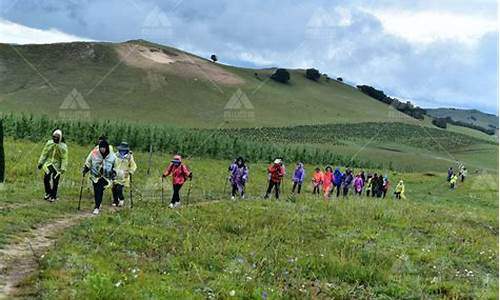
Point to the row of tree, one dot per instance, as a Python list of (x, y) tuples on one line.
[(443, 123), (404, 107)]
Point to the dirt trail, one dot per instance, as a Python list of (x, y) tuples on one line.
[(19, 260)]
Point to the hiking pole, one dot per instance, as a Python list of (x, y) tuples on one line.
[(81, 192), (130, 192), (162, 201), (189, 191)]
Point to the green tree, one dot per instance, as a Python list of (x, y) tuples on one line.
[(281, 75)]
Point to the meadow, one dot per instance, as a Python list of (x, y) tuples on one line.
[(438, 243)]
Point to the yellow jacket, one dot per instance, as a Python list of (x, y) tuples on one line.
[(55, 155), (124, 167)]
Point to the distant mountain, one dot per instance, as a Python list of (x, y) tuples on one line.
[(471, 116)]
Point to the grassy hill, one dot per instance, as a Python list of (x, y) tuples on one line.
[(471, 116), (141, 81)]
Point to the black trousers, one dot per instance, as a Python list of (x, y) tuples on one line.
[(276, 186), (338, 189), (99, 187), (176, 197), (298, 186), (117, 190), (398, 195), (51, 177), (316, 189), (345, 191), (234, 190), (384, 193)]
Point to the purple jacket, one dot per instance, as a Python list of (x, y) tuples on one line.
[(298, 175), (239, 175)]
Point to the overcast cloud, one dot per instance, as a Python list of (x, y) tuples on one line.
[(435, 53)]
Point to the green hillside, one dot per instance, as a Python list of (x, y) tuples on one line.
[(471, 116), (141, 81)]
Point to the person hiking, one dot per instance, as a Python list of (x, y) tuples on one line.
[(369, 184), (400, 190), (298, 177), (453, 181), (374, 185), (380, 186), (327, 182), (358, 184), (385, 186), (238, 177), (363, 177), (53, 161), (125, 166), (450, 173), (463, 175), (317, 181), (337, 180), (276, 172), (180, 173), (100, 163), (347, 182)]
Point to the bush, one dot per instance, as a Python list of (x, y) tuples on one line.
[(440, 122), (313, 74), (281, 75), (340, 79)]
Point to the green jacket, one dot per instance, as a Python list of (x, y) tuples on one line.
[(124, 167), (55, 155)]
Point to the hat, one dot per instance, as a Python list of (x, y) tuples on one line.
[(177, 159), (58, 132), (123, 146), (277, 161), (103, 144)]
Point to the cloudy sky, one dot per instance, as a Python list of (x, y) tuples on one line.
[(435, 53)]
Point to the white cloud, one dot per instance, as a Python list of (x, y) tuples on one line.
[(14, 33), (425, 27)]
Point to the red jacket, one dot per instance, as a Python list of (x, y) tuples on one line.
[(276, 171), (179, 173)]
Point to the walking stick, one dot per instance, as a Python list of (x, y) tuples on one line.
[(130, 192), (189, 191), (162, 201), (81, 191)]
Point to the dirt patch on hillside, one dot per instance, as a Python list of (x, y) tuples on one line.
[(20, 259), (175, 62)]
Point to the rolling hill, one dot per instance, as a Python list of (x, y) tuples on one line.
[(471, 116), (142, 81)]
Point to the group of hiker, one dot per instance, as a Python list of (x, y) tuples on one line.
[(110, 169), (453, 177)]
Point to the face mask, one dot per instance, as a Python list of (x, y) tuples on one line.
[(123, 153)]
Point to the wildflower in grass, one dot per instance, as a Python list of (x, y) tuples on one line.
[(232, 293), (119, 283)]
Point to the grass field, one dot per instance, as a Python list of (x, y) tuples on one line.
[(438, 243)]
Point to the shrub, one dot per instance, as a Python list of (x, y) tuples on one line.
[(281, 75), (313, 74)]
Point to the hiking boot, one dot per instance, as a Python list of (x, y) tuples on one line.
[(96, 211), (120, 204), (52, 199), (178, 204), (113, 204), (171, 205), (46, 197), (232, 198)]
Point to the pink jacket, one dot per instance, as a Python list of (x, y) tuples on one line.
[(179, 173)]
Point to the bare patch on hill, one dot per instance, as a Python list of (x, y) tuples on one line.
[(175, 62)]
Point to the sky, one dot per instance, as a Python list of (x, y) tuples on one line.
[(433, 53)]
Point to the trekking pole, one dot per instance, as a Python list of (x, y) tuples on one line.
[(81, 192), (130, 192), (162, 201), (189, 191)]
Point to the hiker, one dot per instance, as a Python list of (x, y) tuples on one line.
[(385, 186), (374, 185), (238, 177), (337, 182), (363, 177), (369, 185), (347, 180), (327, 182), (453, 181), (180, 173), (298, 177), (317, 181), (53, 161), (463, 175), (276, 172), (380, 186), (100, 163), (358, 184), (125, 167), (400, 190), (450, 173)]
